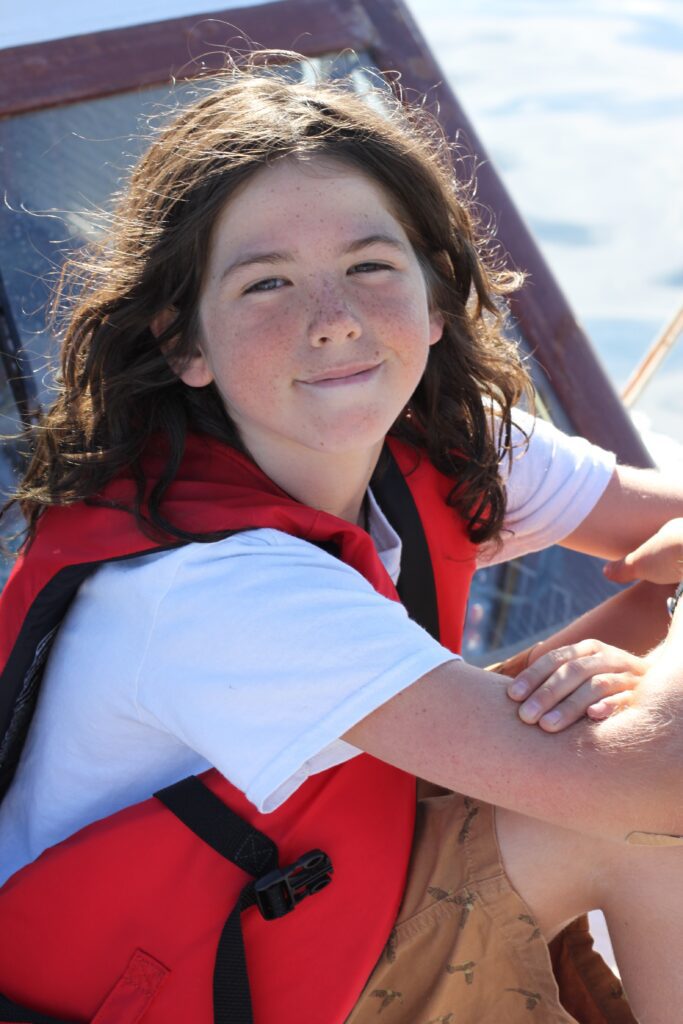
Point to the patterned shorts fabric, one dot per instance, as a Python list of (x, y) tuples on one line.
[(466, 949)]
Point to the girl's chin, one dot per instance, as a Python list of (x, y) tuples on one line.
[(347, 441)]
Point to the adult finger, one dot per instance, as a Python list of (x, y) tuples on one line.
[(645, 563), (609, 705), (605, 694), (586, 680), (547, 665)]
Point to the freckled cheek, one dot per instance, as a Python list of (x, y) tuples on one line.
[(396, 304), (404, 323), (247, 378), (253, 364)]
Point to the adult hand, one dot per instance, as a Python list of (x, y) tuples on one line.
[(588, 678)]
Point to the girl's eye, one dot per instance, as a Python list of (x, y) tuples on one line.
[(369, 267), (269, 284)]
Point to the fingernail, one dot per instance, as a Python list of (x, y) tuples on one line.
[(552, 718), (518, 689), (530, 709), (599, 710)]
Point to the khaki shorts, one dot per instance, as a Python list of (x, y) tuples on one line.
[(467, 950)]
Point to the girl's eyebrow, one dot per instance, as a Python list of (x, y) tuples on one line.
[(377, 239), (270, 258)]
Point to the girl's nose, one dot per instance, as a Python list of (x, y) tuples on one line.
[(333, 321)]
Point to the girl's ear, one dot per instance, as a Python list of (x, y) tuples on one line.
[(436, 326), (193, 372), (196, 372)]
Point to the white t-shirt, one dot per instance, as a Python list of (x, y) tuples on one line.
[(253, 654)]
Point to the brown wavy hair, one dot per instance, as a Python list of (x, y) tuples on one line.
[(116, 388)]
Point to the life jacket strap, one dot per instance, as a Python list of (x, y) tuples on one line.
[(215, 823), (416, 585), (276, 891), (12, 1013)]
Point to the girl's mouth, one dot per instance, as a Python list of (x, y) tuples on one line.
[(343, 375)]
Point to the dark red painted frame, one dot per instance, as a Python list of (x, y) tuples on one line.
[(84, 67)]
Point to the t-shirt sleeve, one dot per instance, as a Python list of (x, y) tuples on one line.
[(265, 650), (551, 487)]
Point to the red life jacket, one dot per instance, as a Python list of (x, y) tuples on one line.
[(123, 918)]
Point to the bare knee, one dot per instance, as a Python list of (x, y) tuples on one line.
[(554, 870), (561, 874), (643, 904)]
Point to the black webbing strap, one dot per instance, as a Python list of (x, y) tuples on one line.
[(231, 995), (416, 586), (276, 891), (252, 851), (12, 1012), (21, 677), (213, 821)]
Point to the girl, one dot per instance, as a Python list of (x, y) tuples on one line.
[(290, 278)]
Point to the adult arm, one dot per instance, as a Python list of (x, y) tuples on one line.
[(635, 620), (605, 653)]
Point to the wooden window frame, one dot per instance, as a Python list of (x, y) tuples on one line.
[(84, 67)]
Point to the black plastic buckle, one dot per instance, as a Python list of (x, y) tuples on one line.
[(279, 892)]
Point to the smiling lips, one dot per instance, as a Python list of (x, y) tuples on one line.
[(342, 375)]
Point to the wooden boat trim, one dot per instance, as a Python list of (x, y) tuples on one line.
[(86, 67)]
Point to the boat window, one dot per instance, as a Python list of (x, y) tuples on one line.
[(61, 168), (18, 405)]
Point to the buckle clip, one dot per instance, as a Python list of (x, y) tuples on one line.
[(279, 892)]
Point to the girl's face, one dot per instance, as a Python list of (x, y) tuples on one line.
[(314, 314)]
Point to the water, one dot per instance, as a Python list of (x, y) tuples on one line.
[(580, 106)]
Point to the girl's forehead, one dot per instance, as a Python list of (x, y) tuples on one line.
[(301, 212), (314, 196)]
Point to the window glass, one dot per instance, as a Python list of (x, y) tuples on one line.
[(60, 168), (11, 461)]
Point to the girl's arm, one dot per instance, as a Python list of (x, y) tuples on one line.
[(456, 727), (659, 558), (633, 507)]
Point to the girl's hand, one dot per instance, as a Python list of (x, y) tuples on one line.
[(588, 678), (659, 559)]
